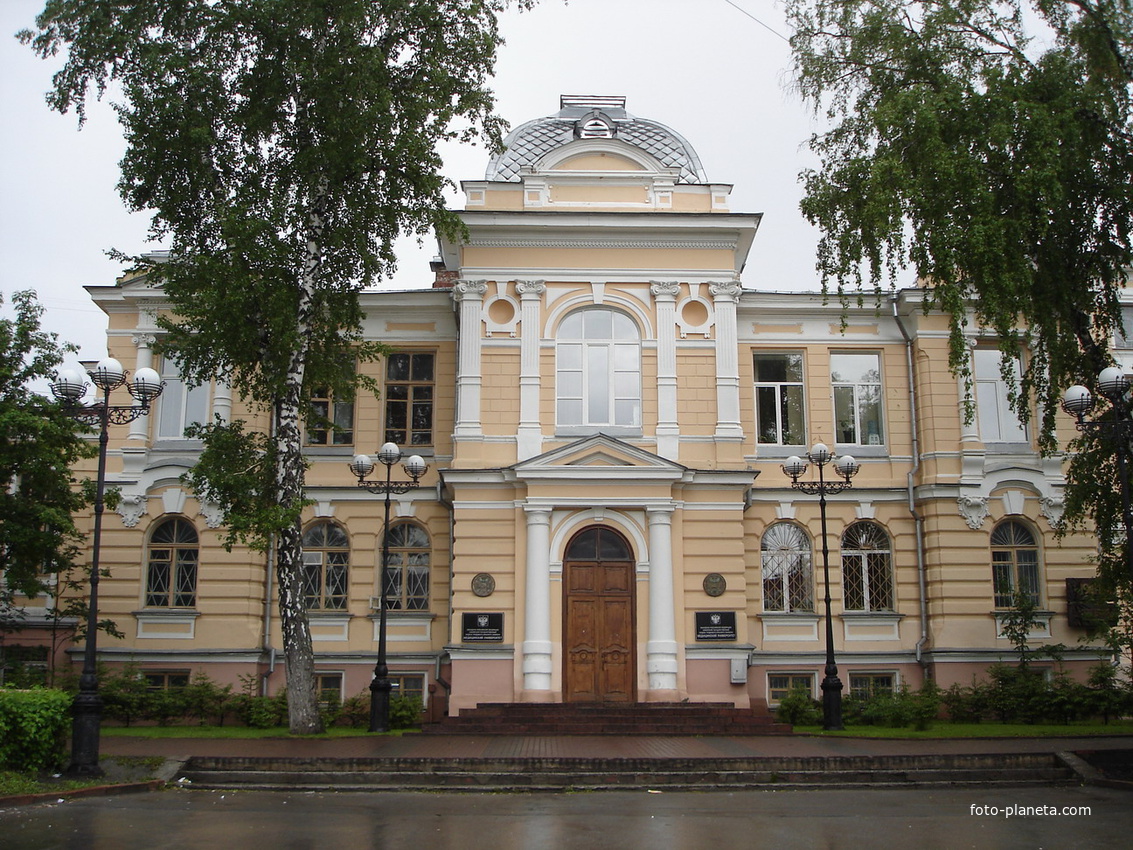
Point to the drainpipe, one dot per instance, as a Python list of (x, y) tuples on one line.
[(910, 481), (266, 643)]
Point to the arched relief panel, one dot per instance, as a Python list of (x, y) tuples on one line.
[(580, 301), (558, 160), (631, 524)]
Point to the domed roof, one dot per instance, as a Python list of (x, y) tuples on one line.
[(593, 117)]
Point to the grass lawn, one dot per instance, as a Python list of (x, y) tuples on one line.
[(944, 729)]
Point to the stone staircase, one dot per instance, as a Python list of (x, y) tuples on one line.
[(671, 774), (656, 719)]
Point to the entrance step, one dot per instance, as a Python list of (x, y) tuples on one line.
[(556, 774), (657, 719)]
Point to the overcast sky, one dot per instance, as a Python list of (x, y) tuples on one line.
[(703, 67)]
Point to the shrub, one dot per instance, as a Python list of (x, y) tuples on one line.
[(405, 711), (33, 728), (205, 699), (125, 695), (355, 711), (799, 709)]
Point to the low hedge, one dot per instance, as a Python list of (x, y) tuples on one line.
[(33, 728)]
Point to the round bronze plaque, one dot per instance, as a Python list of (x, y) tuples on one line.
[(714, 584), (483, 585)]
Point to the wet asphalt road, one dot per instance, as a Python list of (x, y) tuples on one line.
[(859, 818)]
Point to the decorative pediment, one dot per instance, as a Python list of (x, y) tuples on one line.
[(599, 457)]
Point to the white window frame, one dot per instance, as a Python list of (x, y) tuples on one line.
[(859, 391), (778, 388), (998, 422), (180, 405), (592, 389)]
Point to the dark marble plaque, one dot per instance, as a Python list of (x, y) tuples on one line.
[(716, 625), (482, 628)]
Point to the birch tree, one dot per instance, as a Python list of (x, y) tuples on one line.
[(987, 147), (281, 147)]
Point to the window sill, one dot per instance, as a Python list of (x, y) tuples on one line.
[(1041, 628), (167, 623), (329, 451), (861, 451), (594, 430)]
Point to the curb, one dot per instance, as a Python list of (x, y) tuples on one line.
[(92, 791), (164, 777)]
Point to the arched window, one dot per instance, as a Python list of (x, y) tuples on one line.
[(407, 571), (326, 562), (788, 579), (171, 565), (1014, 564), (867, 568), (598, 544), (598, 370)]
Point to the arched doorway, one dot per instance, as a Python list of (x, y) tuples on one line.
[(598, 620)]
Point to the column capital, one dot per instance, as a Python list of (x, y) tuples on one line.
[(537, 514), (659, 513), (530, 289), (469, 290), (725, 290), (143, 340), (665, 290)]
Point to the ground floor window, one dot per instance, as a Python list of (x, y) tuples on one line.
[(871, 684), (23, 666), (163, 680), (781, 684), (408, 685), (329, 688)]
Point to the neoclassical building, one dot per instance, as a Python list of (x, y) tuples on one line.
[(605, 412)]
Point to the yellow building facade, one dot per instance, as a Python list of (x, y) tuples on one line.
[(605, 411)]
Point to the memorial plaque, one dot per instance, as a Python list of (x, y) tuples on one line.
[(482, 628), (716, 625)]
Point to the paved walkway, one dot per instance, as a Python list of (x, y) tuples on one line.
[(531, 747)]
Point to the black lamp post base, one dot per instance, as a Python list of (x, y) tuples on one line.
[(85, 728), (832, 703), (379, 704)]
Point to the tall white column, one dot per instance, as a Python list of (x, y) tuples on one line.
[(222, 399), (139, 428), (661, 648), (725, 296), (537, 606), (668, 428), (529, 439), (469, 294)]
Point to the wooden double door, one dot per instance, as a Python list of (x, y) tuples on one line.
[(599, 643)]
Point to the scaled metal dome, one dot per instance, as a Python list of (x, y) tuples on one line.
[(593, 117)]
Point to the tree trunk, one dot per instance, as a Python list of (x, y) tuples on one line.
[(302, 697)]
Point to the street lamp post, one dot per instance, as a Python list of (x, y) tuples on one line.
[(1078, 401), (69, 387), (361, 466), (847, 468)]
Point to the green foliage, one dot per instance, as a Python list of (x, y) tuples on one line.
[(33, 728), (235, 472), (355, 711), (38, 445), (205, 700), (799, 709), (405, 711), (125, 694), (894, 709), (995, 165), (987, 147), (281, 148)]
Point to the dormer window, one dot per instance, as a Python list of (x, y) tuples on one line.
[(595, 128)]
